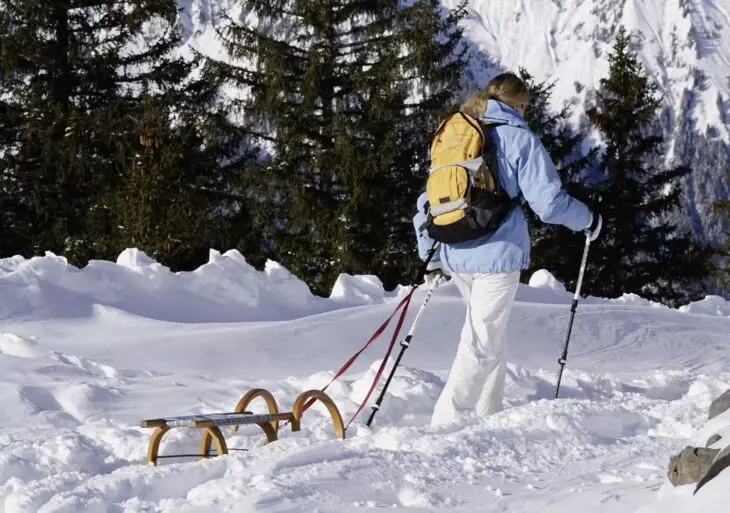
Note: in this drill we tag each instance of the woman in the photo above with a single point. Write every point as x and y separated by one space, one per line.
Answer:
487 270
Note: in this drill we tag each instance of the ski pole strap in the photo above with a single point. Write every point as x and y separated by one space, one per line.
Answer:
424 265
379 374
372 339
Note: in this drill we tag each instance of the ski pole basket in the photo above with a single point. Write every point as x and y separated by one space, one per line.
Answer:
211 423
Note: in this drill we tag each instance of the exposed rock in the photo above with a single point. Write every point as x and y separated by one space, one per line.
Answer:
720 405
690 465
720 463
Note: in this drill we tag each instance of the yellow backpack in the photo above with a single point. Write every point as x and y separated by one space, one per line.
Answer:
465 198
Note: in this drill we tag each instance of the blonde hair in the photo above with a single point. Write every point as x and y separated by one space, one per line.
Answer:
507 88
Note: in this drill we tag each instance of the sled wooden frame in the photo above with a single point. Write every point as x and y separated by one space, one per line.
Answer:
211 423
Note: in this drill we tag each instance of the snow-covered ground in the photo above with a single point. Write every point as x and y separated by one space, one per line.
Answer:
86 354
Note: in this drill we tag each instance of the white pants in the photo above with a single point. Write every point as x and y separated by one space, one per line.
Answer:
476 380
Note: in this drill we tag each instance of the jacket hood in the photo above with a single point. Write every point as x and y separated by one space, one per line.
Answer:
499 112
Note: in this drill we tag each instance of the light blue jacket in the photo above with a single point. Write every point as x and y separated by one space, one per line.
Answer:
524 166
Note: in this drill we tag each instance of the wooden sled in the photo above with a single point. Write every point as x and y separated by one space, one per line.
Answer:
211 423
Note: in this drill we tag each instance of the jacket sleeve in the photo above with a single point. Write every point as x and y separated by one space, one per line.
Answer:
425 243
541 187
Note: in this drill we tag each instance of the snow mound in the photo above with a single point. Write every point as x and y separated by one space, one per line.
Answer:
13 345
543 287
362 290
411 394
357 289
138 261
630 299
543 279
225 289
711 305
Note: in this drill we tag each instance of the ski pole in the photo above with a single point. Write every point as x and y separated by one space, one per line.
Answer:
403 346
563 358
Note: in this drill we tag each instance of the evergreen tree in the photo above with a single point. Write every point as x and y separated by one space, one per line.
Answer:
82 84
640 251
554 247
182 193
707 183
346 94
722 209
68 71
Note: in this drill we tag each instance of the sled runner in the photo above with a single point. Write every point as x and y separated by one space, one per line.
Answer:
211 423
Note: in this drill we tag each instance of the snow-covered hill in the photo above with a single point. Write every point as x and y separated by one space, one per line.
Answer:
684 45
85 354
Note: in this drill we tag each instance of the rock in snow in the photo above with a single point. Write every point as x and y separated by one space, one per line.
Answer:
690 465
719 464
707 467
720 405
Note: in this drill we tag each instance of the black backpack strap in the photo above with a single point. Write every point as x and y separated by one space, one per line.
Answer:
520 199
488 153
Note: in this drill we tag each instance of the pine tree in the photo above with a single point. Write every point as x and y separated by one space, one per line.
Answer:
69 111
640 251
81 83
722 209
554 247
346 94
707 183
182 193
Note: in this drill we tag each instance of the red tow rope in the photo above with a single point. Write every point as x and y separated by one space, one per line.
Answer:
405 302
385 358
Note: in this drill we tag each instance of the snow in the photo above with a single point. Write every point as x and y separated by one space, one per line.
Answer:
85 354
710 305
543 279
225 289
360 289
568 42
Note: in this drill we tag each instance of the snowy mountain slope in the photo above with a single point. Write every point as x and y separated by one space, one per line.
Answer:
684 45
638 383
